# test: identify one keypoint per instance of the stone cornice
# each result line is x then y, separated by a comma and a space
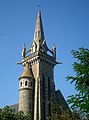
39, 57
25, 88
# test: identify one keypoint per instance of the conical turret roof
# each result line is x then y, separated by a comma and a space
27, 72
39, 33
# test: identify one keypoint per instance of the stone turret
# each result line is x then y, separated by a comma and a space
26, 85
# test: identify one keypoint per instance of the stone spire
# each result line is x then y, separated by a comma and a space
39, 33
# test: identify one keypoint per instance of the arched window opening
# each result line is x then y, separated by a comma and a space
25, 83
43, 87
44, 110
20, 84
43, 97
35, 47
30, 106
49, 109
30, 84
49, 89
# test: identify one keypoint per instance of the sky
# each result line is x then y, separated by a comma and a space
65, 23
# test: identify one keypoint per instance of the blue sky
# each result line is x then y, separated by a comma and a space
65, 22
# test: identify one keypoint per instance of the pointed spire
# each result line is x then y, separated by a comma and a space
39, 33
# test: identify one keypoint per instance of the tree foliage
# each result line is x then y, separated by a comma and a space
9, 114
80, 101
57, 113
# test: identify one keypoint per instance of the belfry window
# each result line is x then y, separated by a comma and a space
43, 96
25, 83
44, 110
35, 47
43, 87
49, 89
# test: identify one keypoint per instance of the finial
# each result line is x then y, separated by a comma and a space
24, 46
39, 32
23, 51
38, 6
54, 45
54, 50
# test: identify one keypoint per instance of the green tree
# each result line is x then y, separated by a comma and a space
67, 115
59, 114
20, 116
56, 111
80, 101
9, 114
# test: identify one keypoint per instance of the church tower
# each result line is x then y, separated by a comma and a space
36, 84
